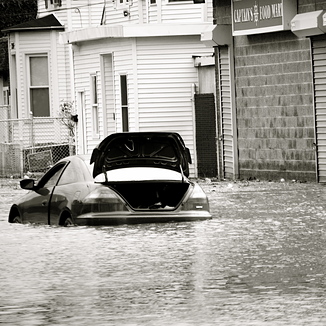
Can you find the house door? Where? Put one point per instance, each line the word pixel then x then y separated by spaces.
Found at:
pixel 205 113
pixel 206 135
pixel 319 74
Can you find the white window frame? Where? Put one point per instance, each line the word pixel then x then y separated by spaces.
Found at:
pixel 179 1
pixel 6 100
pixel 52 4
pixel 124 4
pixel 30 86
pixel 94 105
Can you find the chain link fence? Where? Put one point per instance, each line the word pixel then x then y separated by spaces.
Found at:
pixel 32 145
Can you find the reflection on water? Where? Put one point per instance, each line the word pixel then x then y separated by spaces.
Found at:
pixel 260 261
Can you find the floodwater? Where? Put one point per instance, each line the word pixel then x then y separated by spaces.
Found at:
pixel 261 260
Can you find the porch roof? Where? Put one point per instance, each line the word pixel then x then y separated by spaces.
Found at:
pixel 44 23
pixel 204 30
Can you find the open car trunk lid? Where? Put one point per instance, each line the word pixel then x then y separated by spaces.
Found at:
pixel 141 149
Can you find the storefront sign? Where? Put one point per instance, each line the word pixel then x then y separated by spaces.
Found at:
pixel 262 16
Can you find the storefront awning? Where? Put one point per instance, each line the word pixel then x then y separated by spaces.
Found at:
pixel 309 24
pixel 217 35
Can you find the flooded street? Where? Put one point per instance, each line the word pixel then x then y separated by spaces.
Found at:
pixel 261 260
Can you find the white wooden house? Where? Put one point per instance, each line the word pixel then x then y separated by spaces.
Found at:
pixel 127 65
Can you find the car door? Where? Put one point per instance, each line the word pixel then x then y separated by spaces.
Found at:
pixel 66 191
pixel 36 208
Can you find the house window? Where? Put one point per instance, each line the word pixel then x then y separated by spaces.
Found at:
pixel 6 95
pixel 152 2
pixel 124 2
pixel 53 3
pixel 94 101
pixel 124 102
pixel 39 86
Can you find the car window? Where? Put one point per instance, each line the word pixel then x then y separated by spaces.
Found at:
pixel 70 175
pixel 51 177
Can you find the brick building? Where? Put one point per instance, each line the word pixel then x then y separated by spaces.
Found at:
pixel 274 93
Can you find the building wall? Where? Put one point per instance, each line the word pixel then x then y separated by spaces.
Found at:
pixel 78 14
pixel 274 102
pixel 35 43
pixel 160 73
pixel 275 115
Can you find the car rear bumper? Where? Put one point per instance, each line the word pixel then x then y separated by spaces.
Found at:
pixel 138 218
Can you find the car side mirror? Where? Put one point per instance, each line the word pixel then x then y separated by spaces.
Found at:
pixel 27 184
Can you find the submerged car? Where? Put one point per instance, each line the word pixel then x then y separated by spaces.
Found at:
pixel 136 177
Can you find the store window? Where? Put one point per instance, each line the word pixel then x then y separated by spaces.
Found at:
pixel 39 86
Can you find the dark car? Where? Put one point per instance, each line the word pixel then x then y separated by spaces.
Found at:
pixel 129 178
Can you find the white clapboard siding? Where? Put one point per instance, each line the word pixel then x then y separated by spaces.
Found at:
pixel 152 15
pixel 166 75
pixel 160 74
pixel 74 14
pixel 319 72
pixel 63 73
pixel 186 12
pixel 115 13
pixel 87 62
pixel 123 65
pixel 226 113
pixel 78 14
pixel 45 42
pixel 29 45
pixel 108 93
pixel 86 16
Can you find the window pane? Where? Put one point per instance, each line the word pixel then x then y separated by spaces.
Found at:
pixel 51 177
pixel 94 89
pixel 124 93
pixel 70 175
pixel 95 120
pixel 39 71
pixel 40 104
pixel 125 119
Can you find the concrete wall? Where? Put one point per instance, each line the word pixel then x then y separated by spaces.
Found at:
pixel 274 99
pixel 274 102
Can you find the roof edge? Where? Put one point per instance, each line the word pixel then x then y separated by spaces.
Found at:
pixel 49 22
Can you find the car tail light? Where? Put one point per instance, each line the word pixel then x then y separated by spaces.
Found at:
pixel 102 200
pixel 197 200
